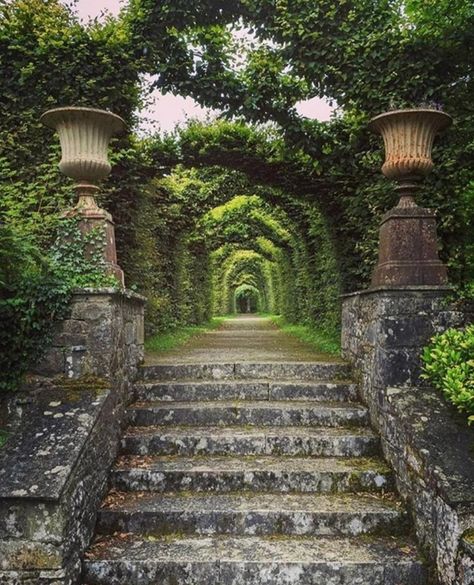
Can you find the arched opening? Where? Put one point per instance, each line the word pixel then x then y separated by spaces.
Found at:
pixel 204 231
pixel 246 299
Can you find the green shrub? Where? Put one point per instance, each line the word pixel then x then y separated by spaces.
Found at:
pixel 35 290
pixel 449 366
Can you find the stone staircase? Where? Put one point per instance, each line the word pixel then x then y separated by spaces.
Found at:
pixel 262 474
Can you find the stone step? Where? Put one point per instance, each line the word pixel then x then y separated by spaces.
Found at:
pixel 275 413
pixel 253 561
pixel 251 515
pixel 246 390
pixel 285 441
pixel 245 370
pixel 254 474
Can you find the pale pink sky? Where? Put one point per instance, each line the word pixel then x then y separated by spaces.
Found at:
pixel 164 112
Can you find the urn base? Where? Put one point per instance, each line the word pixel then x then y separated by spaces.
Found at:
pixel 408 253
pixel 91 218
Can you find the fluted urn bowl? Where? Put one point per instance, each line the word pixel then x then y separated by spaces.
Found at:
pixel 84 134
pixel 408 137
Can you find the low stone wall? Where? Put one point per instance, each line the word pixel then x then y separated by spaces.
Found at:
pixel 103 336
pixel 428 444
pixel 68 438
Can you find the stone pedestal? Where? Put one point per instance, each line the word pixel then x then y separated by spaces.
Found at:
pixel 91 218
pixel 103 336
pixel 408 252
pixel 385 329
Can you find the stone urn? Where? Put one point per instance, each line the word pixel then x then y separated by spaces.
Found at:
pixel 84 134
pixel 408 137
pixel 408 251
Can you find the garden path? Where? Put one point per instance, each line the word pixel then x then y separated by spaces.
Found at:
pixel 248 338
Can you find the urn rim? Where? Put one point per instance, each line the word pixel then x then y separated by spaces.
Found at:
pixel 445 120
pixel 51 117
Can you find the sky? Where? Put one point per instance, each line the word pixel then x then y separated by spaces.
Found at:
pixel 164 112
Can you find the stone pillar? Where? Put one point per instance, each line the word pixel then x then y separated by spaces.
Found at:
pixel 92 217
pixel 408 250
pixel 103 336
pixel 384 331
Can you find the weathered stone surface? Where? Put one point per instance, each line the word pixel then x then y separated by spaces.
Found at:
pixel 248 390
pixel 207 390
pixel 275 450
pixel 423 438
pixel 326 391
pixel 66 439
pixel 465 560
pixel 306 561
pixel 297 371
pixel 251 514
pixel 248 413
pixel 230 474
pixel 48 506
pixel 104 332
pixel 284 441
pixel 430 447
pixel 46 449
pixel 163 372
pixel 245 370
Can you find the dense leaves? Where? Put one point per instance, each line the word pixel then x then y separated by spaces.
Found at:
pixel 35 290
pixel 449 366
pixel 267 200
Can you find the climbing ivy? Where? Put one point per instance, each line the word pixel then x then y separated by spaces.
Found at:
pixel 35 289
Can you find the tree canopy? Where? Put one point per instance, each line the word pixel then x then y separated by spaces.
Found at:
pixel 263 197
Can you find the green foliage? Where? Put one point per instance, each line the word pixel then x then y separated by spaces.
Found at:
pixel 291 207
pixel 177 337
pixel 77 258
pixel 322 340
pixel 35 290
pixel 449 366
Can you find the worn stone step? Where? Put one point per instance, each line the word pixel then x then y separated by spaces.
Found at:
pixel 285 441
pixel 246 390
pixel 233 474
pixel 253 561
pixel 240 412
pixel 250 514
pixel 227 371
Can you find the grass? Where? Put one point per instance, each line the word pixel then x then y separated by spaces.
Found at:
pixel 177 337
pixel 322 340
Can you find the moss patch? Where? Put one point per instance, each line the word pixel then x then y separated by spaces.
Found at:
pixel 177 337
pixel 73 389
pixel 3 438
pixel 469 536
pixel 322 340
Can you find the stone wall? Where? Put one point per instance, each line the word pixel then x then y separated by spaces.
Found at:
pixel 428 444
pixel 103 336
pixel 68 439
